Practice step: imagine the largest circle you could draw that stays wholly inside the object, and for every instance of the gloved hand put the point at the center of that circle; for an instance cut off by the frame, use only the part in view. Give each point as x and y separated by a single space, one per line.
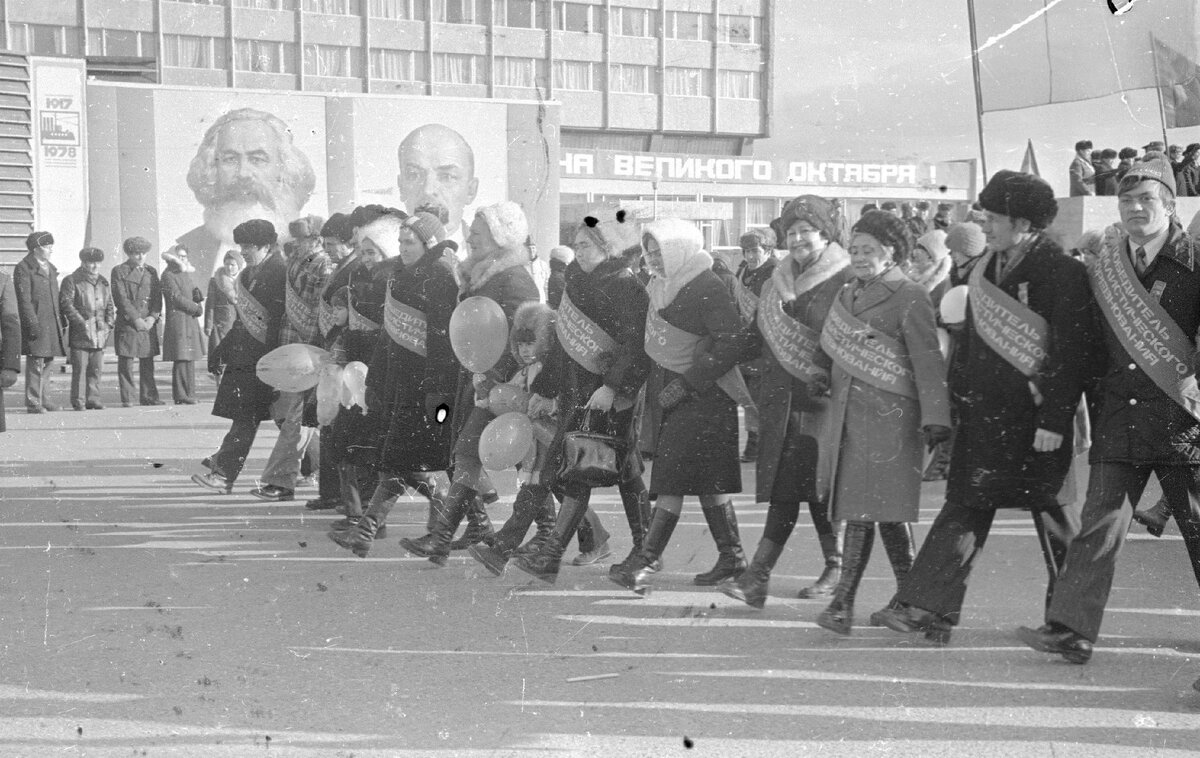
934 434
433 401
673 394
540 406
819 385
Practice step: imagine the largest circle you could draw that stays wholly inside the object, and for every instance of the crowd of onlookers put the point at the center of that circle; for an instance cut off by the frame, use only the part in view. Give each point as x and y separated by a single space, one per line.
1098 171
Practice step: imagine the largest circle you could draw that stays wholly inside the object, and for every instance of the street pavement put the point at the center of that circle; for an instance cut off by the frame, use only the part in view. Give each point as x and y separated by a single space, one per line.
144 616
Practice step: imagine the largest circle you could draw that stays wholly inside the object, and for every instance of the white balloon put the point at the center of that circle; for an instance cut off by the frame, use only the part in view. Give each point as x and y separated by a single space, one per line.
944 342
954 305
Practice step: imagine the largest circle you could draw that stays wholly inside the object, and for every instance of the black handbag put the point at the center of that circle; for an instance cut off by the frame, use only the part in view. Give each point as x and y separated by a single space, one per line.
592 455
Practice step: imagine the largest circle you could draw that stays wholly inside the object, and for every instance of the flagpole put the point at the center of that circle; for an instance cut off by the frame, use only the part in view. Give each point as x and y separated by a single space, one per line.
978 89
1162 110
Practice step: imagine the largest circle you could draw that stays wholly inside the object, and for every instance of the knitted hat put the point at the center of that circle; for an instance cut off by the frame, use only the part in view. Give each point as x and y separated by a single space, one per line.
506 221
889 230
613 236
338 227
1158 170
91 255
562 254
815 210
38 239
427 228
934 243
966 239
306 226
136 246
257 232
1018 195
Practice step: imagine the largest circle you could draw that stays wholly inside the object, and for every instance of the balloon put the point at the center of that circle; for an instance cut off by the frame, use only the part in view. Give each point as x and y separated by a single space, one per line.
507 398
292 368
329 392
505 441
478 333
944 342
954 305
354 385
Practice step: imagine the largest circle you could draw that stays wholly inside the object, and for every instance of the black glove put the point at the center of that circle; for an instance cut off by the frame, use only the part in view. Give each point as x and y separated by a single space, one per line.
819 385
197 295
435 401
674 394
935 434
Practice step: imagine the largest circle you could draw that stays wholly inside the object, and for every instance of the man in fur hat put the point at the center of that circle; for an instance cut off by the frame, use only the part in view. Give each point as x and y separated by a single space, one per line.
86 302
35 281
137 294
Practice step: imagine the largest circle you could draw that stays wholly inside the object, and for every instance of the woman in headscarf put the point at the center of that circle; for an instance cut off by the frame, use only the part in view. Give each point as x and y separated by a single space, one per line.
888 389
930 264
220 307
692 336
496 269
792 308
183 342
597 363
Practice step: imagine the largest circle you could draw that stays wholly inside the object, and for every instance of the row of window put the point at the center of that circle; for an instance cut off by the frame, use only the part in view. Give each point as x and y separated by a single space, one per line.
531 14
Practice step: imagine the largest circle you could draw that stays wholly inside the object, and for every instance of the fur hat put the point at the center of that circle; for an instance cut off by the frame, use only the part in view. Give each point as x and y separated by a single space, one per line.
257 232
136 246
91 255
1158 170
764 238
1157 146
365 214
306 226
38 239
966 239
339 227
427 228
1018 195
506 221
172 258
562 254
384 231
889 230
533 322
815 210
613 236
934 243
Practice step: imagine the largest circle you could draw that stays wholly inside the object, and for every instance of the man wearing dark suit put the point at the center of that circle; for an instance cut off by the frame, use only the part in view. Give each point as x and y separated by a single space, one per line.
10 339
138 296
1082 172
35 280
1139 428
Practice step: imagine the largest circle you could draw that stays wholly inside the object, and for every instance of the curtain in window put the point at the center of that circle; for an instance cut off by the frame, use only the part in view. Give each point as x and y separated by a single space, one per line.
393 65
742 85
452 68
258 55
576 75
691 82
326 60
329 7
389 8
186 51
760 211
626 78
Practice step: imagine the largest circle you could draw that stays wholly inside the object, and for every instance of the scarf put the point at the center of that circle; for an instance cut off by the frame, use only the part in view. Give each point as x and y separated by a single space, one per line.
476 273
791 282
933 275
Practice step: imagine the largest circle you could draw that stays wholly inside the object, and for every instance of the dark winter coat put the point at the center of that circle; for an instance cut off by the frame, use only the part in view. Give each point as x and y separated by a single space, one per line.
42 323
1134 421
89 310
137 294
365 290
10 333
241 395
402 379
557 282
1188 180
220 309
994 464
182 338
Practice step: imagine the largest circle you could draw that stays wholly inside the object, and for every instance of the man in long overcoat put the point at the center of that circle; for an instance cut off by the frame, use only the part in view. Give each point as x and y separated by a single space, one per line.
1139 428
137 294
35 280
10 339
242 397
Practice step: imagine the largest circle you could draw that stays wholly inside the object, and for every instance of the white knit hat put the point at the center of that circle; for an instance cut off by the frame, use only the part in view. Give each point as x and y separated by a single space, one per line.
506 221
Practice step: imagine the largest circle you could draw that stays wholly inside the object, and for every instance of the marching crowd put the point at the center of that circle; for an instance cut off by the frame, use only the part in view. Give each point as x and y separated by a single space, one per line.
835 344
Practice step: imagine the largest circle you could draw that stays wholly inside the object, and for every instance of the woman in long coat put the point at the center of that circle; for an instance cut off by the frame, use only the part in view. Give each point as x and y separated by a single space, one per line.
220 307
496 270
693 338
183 342
604 292
882 319
793 417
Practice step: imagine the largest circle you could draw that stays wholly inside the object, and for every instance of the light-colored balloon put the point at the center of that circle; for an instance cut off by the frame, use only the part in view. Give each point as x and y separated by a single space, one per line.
954 305
944 342
505 441
329 393
507 398
478 333
354 385
292 368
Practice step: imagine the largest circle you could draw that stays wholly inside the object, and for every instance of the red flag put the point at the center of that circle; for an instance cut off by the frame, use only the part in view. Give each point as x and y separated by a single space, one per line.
1029 162
1179 81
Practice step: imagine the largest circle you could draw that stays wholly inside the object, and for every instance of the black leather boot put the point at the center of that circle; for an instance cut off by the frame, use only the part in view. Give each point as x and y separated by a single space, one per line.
544 564
831 548
544 521
527 505
839 615
750 454
897 540
731 562
436 545
637 513
636 575
479 527
751 586
359 538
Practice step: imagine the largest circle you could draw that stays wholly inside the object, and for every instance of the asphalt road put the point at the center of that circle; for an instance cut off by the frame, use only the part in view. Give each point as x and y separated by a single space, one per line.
142 615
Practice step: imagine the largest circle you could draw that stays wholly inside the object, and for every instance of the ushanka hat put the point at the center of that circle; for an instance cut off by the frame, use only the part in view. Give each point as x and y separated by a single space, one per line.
136 246
338 227
257 232
38 239
306 226
1018 195
889 230
91 255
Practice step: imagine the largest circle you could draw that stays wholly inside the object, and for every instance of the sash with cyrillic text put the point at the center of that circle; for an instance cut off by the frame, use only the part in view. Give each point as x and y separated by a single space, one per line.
747 301
253 315
675 350
865 354
404 324
325 317
791 342
581 337
301 315
359 322
1005 324
1145 329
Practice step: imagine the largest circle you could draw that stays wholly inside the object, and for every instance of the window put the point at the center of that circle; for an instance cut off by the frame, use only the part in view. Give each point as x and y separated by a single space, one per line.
264 57
625 77
687 82
413 10
579 17
331 60
43 39
739 30
266 5
331 7
683 25
634 22
742 85
576 75
202 2
520 72
398 65
760 211
460 11
522 14
186 51
457 68
121 43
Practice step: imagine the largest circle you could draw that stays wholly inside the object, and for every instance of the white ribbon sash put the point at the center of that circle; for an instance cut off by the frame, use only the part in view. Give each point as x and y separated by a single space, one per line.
865 354
675 350
1006 325
792 343
253 315
404 324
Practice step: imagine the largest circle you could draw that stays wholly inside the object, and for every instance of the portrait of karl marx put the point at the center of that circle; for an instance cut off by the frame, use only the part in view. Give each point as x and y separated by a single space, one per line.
247 167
